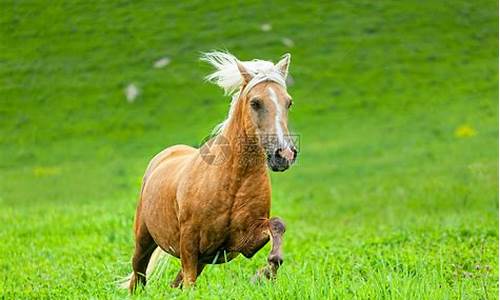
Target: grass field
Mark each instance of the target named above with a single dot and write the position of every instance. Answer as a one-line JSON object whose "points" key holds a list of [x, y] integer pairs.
{"points": [[394, 196]]}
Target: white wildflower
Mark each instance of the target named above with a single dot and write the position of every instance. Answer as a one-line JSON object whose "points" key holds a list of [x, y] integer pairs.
{"points": [[162, 62], [266, 27], [288, 42], [131, 92]]}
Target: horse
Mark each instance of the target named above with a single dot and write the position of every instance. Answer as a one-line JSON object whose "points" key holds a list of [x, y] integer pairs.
{"points": [[208, 205]]}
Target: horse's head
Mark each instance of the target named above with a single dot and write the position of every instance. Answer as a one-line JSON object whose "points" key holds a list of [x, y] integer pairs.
{"points": [[267, 104], [260, 101]]}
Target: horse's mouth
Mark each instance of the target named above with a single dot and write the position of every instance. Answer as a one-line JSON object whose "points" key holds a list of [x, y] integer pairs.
{"points": [[279, 169], [278, 164]]}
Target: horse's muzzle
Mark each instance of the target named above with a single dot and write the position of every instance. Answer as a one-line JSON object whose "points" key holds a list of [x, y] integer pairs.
{"points": [[281, 159]]}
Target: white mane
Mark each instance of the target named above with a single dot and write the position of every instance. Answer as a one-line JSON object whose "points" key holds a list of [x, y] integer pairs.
{"points": [[228, 76]]}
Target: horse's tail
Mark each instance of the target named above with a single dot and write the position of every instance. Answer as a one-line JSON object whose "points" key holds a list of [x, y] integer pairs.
{"points": [[156, 257]]}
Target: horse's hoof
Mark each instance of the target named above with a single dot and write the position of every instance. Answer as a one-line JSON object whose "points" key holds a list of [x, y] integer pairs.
{"points": [[264, 273], [176, 285], [275, 259]]}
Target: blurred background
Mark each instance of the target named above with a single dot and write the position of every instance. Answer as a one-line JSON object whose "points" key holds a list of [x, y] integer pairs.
{"points": [[395, 193]]}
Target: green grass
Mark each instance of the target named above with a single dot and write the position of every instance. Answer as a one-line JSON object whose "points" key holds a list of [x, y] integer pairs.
{"points": [[386, 201]]}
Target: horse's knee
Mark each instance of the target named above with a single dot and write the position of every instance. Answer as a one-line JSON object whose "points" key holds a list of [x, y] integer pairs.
{"points": [[277, 226], [274, 227]]}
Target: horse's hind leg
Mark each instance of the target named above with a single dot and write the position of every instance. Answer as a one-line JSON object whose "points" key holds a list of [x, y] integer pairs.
{"points": [[177, 281], [144, 247], [275, 258]]}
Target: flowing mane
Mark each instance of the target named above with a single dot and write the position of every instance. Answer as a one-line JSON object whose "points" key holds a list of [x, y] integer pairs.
{"points": [[228, 77]]}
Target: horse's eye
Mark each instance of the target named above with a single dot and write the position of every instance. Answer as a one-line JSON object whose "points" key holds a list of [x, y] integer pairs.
{"points": [[256, 104], [290, 103]]}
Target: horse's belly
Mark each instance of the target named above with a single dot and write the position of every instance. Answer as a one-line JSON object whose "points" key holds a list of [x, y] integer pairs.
{"points": [[220, 257]]}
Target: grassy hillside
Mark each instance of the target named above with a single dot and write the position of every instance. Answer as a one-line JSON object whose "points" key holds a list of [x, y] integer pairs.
{"points": [[395, 194]]}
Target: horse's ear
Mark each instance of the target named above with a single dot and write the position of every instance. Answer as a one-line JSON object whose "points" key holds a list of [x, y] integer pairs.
{"points": [[245, 75], [283, 64]]}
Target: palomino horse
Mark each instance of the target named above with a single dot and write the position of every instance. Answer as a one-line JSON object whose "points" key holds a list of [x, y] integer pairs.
{"points": [[206, 209]]}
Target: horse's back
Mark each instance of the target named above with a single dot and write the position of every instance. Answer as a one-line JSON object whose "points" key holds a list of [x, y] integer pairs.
{"points": [[165, 155]]}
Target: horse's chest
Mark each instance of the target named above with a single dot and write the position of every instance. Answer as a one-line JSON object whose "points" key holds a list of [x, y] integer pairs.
{"points": [[226, 224], [225, 210]]}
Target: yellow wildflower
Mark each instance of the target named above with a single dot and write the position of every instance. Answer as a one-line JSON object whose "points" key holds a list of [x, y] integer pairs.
{"points": [[464, 131]]}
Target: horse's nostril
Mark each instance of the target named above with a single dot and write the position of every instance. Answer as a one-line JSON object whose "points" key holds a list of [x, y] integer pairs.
{"points": [[294, 150], [278, 152], [286, 153]]}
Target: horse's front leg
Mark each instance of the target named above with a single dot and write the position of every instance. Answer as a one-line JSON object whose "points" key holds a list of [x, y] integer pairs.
{"points": [[189, 258], [276, 229], [177, 283]]}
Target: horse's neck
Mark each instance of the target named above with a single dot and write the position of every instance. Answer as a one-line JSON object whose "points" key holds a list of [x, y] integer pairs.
{"points": [[247, 155], [244, 164]]}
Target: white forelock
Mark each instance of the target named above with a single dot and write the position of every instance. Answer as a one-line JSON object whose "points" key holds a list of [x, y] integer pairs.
{"points": [[228, 76]]}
